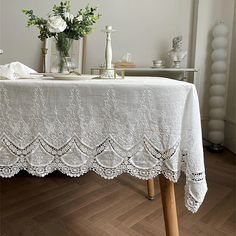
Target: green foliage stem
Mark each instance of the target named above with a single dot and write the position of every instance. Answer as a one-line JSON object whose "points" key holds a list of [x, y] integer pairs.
{"points": [[75, 29]]}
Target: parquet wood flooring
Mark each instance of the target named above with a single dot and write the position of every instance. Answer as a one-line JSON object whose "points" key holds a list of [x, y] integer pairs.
{"points": [[58, 205]]}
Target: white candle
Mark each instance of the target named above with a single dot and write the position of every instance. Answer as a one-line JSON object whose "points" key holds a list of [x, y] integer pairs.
{"points": [[108, 51], [108, 27]]}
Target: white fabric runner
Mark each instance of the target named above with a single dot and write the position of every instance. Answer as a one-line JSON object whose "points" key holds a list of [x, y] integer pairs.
{"points": [[142, 126], [16, 70]]}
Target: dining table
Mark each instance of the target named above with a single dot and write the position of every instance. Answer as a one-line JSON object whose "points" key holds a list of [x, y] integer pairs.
{"points": [[143, 126]]}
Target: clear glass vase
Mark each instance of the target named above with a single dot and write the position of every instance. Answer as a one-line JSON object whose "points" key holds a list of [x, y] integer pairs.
{"points": [[63, 46]]}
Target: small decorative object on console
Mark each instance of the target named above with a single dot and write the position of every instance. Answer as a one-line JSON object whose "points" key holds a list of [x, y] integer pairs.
{"points": [[64, 27], [177, 54], [125, 62], [157, 64]]}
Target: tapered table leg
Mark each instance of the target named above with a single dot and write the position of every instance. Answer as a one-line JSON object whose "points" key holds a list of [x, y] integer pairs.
{"points": [[169, 206], [151, 189]]}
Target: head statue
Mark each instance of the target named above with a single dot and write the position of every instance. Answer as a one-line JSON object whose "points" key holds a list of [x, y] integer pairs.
{"points": [[177, 42]]}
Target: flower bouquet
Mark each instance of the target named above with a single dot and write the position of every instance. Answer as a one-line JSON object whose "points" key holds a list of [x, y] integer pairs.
{"points": [[63, 26]]}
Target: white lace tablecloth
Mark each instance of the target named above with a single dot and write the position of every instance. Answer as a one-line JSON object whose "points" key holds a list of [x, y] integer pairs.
{"points": [[141, 126]]}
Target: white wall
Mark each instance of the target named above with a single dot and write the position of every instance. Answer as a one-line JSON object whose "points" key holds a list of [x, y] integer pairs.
{"points": [[230, 128], [144, 28], [0, 29]]}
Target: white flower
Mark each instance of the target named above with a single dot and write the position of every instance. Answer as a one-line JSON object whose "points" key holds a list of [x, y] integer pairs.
{"points": [[79, 18], [56, 24], [69, 16]]}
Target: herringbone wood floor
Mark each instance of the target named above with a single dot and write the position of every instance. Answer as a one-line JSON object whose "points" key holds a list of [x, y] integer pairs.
{"points": [[61, 206]]}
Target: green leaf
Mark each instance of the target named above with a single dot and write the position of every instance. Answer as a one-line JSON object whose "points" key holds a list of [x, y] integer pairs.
{"points": [[75, 29]]}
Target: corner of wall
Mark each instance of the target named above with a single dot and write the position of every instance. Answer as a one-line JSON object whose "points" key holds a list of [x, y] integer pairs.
{"points": [[208, 13], [230, 118], [0, 30]]}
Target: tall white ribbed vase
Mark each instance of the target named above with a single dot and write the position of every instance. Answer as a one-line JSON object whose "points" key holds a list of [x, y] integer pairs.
{"points": [[217, 89]]}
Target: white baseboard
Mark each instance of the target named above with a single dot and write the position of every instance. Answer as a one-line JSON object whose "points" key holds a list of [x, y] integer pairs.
{"points": [[204, 128], [230, 132], [230, 135]]}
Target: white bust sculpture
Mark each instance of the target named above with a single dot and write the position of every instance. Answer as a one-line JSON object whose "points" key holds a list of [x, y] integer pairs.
{"points": [[177, 54]]}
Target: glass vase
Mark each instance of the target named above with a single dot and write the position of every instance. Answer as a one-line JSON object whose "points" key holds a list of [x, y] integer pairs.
{"points": [[63, 46]]}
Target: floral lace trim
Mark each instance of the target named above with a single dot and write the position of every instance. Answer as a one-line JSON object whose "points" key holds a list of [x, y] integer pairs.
{"points": [[90, 161], [191, 203]]}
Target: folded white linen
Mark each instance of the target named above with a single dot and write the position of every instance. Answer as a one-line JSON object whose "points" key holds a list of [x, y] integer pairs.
{"points": [[16, 70]]}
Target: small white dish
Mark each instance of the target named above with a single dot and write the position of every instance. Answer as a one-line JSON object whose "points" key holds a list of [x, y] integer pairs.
{"points": [[157, 67], [31, 77], [65, 76], [71, 76]]}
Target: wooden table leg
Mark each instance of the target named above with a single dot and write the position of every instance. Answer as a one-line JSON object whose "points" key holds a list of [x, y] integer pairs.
{"points": [[151, 189], [169, 206]]}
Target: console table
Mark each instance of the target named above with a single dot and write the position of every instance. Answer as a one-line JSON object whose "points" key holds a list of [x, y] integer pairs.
{"points": [[184, 71]]}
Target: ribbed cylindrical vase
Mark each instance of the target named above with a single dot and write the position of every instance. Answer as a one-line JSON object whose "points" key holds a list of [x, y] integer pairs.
{"points": [[217, 89]]}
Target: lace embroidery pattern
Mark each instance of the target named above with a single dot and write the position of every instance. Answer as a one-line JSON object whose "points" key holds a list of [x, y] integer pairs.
{"points": [[108, 159], [85, 129]]}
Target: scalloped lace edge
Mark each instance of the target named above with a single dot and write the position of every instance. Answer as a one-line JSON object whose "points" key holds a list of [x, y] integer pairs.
{"points": [[107, 173]]}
